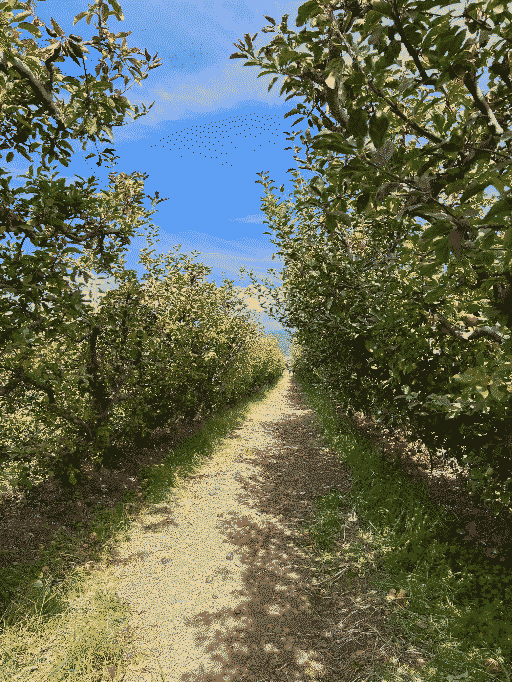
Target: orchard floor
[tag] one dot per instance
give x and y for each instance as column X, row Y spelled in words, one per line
column 226, row 574
column 217, row 580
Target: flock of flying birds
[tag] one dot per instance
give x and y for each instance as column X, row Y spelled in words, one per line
column 204, row 137
column 219, row 140
column 210, row 136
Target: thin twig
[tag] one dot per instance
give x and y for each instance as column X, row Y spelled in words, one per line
column 334, row 577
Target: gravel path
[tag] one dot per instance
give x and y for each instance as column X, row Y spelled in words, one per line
column 217, row 586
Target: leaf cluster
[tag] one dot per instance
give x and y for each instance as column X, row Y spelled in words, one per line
column 75, row 381
column 365, row 282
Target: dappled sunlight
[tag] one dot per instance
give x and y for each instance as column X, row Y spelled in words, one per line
column 262, row 549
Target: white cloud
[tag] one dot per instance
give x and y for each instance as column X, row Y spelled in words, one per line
column 251, row 218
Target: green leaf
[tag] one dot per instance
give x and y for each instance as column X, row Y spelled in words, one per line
column 379, row 125
column 439, row 227
column 330, row 222
column 317, row 185
column 265, row 73
column 298, row 120
column 332, row 142
column 442, row 251
column 272, row 83
column 56, row 27
column 357, row 125
column 362, row 201
column 307, row 11
column 499, row 209
column 117, row 7
column 79, row 17
column 248, row 41
column 345, row 218
column 292, row 112
column 507, row 239
column 472, row 190
column 76, row 49
column 455, row 143
column 31, row 28
column 382, row 7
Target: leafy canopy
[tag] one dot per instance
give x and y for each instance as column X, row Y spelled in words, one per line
column 374, row 269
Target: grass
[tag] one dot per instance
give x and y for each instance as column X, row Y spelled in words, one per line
column 458, row 604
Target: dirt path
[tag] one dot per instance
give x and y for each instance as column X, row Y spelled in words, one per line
column 217, row 584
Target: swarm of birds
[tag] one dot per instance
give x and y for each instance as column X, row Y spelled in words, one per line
column 204, row 140
column 197, row 138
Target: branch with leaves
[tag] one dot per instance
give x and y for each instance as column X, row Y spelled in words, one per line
column 363, row 101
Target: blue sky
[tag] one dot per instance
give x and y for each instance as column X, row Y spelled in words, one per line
column 212, row 128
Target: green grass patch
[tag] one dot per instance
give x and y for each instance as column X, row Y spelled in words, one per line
column 459, row 602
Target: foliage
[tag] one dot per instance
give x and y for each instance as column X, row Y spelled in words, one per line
column 40, row 278
column 364, row 281
column 152, row 356
column 75, row 382
column 27, row 324
column 418, row 612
